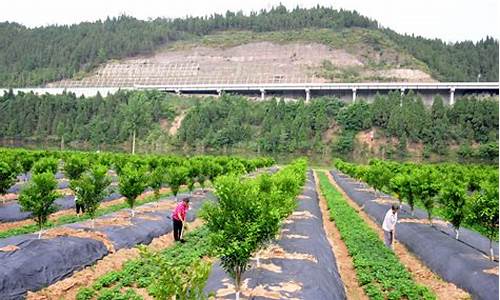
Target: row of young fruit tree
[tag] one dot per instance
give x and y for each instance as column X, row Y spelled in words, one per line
column 90, row 176
column 464, row 195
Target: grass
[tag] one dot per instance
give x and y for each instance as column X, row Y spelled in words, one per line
column 378, row 269
column 32, row 228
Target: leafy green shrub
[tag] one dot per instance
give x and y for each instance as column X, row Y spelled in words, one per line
column 38, row 198
column 46, row 164
column 133, row 182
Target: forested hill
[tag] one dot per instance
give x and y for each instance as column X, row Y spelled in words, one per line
column 37, row 56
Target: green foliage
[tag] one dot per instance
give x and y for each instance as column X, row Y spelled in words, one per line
column 74, row 166
column 133, row 182
column 156, row 179
column 180, row 281
column 7, row 177
column 378, row 270
column 449, row 190
column 39, row 196
column 46, row 164
column 176, row 176
column 355, row 117
column 453, row 196
column 248, row 214
column 178, row 271
column 484, row 209
column 345, row 142
column 90, row 188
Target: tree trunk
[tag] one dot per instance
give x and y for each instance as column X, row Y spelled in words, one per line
column 457, row 232
column 237, row 285
column 492, row 254
column 133, row 212
column 62, row 142
column 41, row 230
column 133, row 142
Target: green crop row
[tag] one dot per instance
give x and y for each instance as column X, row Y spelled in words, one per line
column 171, row 270
column 378, row 269
column 249, row 208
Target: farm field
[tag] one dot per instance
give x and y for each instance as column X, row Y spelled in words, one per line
column 253, row 229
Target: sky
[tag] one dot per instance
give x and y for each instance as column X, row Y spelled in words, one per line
column 449, row 20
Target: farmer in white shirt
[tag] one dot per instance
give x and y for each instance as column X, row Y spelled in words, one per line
column 389, row 225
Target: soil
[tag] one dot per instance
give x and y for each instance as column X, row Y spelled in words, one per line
column 344, row 261
column 64, row 231
column 420, row 273
column 176, row 124
column 279, row 291
column 9, row 248
column 250, row 63
column 493, row 271
column 68, row 288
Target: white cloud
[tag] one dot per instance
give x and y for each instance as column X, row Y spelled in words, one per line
column 450, row 20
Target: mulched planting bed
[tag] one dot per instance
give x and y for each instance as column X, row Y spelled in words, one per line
column 300, row 264
column 31, row 264
column 462, row 262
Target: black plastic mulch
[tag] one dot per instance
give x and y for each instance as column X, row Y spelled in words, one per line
column 461, row 262
column 317, row 280
column 40, row 263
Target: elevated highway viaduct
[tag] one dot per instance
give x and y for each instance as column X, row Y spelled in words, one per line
column 349, row 92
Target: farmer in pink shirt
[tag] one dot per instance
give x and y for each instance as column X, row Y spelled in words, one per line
column 179, row 217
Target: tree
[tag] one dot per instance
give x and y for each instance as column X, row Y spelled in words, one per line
column 404, row 186
column 452, row 196
column 157, row 179
column 233, row 224
column 46, row 164
column 90, row 189
column 133, row 182
column 27, row 162
column 426, row 188
column 484, row 211
column 7, row 177
column 74, row 166
column 137, row 113
column 193, row 166
column 38, row 198
column 176, row 176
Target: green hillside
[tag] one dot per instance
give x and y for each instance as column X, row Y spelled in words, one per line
column 37, row 56
column 326, row 127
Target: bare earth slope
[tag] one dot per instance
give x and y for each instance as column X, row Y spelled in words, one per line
column 236, row 58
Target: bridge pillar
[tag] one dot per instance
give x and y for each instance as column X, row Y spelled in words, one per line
column 353, row 96
column 262, row 94
column 178, row 92
column 452, row 96
column 401, row 98
column 308, row 95
column 219, row 93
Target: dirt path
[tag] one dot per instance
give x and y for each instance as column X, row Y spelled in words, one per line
column 420, row 273
column 176, row 124
column 68, row 288
column 344, row 261
column 71, row 211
